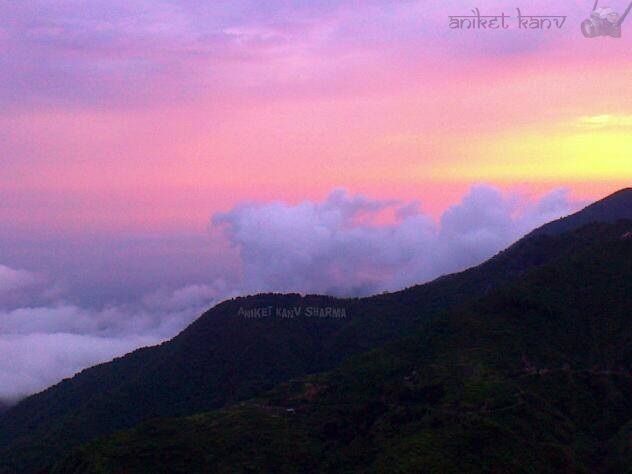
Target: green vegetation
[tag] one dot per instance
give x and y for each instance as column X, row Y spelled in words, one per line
column 461, row 364
column 534, row 378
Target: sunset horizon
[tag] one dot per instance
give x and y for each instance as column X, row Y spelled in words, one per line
column 162, row 161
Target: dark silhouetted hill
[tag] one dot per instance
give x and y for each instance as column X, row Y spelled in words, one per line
column 617, row 206
column 534, row 377
column 225, row 357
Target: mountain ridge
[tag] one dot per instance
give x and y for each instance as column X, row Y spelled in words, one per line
column 533, row 377
column 616, row 206
column 189, row 373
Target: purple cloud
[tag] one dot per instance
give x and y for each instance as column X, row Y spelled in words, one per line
column 122, row 53
column 32, row 362
column 40, row 345
column 333, row 246
column 11, row 280
column 346, row 245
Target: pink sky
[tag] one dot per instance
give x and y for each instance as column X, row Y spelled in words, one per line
column 144, row 116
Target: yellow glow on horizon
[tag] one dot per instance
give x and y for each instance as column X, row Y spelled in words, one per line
column 605, row 120
column 603, row 151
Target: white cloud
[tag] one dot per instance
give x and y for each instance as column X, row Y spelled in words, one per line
column 339, row 246
column 41, row 345
column 336, row 247
column 32, row 362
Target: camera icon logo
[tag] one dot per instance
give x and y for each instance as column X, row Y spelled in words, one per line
column 604, row 21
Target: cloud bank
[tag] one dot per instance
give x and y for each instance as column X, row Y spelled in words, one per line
column 61, row 53
column 41, row 345
column 342, row 246
column 345, row 245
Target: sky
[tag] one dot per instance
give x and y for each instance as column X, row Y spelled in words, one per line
column 159, row 156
